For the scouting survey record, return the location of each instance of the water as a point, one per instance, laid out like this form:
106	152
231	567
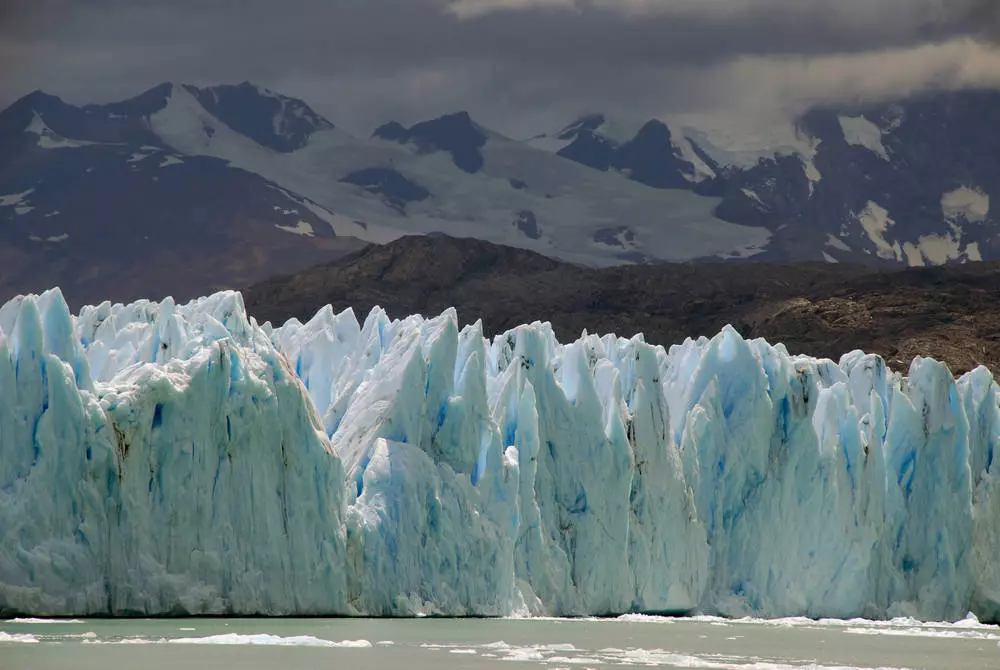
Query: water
289	644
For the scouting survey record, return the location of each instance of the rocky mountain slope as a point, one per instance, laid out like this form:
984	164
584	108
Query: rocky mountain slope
949	313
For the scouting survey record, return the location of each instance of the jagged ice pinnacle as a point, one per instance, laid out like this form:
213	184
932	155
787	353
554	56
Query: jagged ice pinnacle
166	459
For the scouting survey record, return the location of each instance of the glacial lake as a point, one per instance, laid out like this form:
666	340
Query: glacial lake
413	644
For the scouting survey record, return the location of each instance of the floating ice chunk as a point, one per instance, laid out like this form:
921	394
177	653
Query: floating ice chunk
268	640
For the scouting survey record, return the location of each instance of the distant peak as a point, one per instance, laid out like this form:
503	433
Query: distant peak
245	87
40	95
586	123
456	134
460	117
37	100
146	103
161	90
654	128
392	131
395	131
272	120
456	120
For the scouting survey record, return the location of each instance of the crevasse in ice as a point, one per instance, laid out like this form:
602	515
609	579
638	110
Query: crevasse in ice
162	459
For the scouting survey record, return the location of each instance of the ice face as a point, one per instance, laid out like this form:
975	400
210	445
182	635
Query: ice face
156	458
162	458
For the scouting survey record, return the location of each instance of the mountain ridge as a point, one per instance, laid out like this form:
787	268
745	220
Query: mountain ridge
905	183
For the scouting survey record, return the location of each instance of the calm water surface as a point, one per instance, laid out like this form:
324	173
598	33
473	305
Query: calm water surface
289	644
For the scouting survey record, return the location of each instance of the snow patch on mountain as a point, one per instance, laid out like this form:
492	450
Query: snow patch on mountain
876	222
300	228
742	142
13	199
52	238
685	149
48	139
188	127
620	129
939	249
859	131
836	243
914	258
617	130
752	195
552	144
809	167
344	226
972	204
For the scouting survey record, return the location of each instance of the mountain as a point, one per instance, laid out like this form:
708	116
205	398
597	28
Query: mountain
454	134
93	199
648	153
271	120
452	175
907	183
241	183
948	313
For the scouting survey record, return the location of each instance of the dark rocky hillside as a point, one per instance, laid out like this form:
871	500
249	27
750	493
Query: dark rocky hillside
949	313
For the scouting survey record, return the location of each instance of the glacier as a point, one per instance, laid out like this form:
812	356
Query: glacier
165	459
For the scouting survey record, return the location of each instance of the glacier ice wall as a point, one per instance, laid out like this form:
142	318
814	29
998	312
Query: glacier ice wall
162	458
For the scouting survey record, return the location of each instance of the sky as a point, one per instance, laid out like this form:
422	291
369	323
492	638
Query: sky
519	66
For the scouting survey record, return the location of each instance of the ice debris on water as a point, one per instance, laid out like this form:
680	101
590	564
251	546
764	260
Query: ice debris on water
158	458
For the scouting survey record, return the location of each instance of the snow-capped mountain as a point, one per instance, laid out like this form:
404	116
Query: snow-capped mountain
116	194
92	197
646	152
908	183
451	175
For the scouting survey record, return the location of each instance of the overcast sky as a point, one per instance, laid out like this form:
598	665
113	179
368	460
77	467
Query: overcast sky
519	66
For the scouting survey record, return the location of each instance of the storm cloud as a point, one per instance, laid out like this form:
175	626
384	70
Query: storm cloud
517	65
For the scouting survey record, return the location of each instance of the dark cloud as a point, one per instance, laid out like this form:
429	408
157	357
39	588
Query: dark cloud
513	62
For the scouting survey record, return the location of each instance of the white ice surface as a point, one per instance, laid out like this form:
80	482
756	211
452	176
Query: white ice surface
162	458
